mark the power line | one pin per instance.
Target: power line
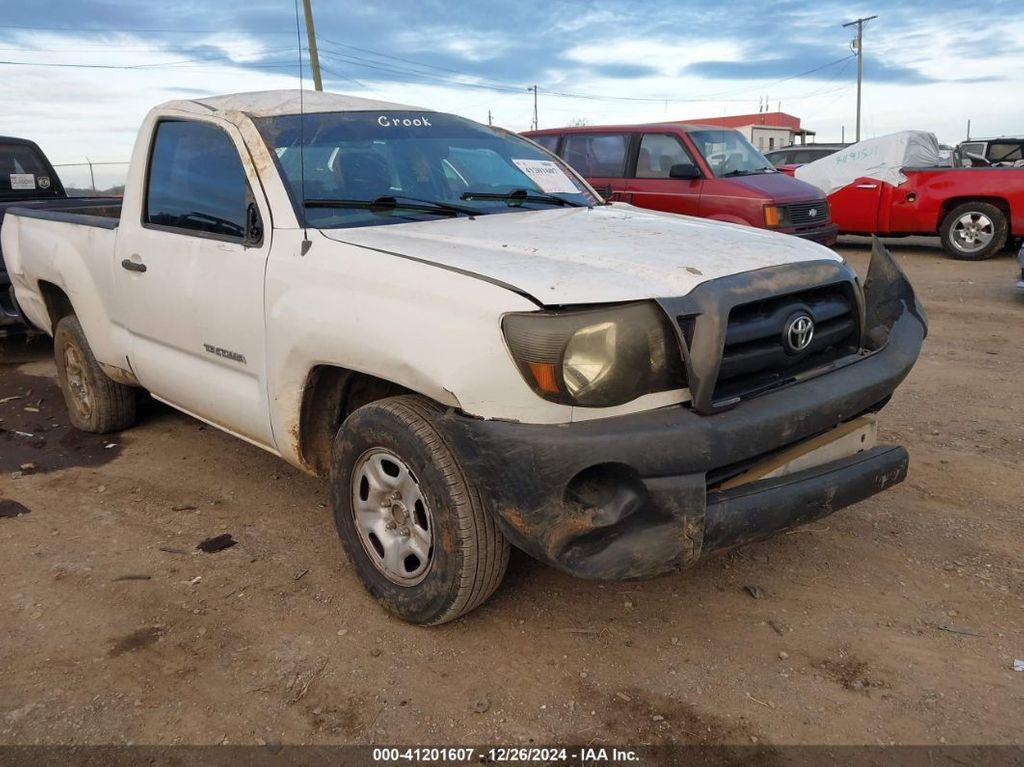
(138, 67)
(108, 30)
(404, 72)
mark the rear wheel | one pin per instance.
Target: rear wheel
(95, 402)
(411, 522)
(974, 231)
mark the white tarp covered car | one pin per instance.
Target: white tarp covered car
(881, 158)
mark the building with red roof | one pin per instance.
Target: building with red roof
(765, 130)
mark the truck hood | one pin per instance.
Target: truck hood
(587, 255)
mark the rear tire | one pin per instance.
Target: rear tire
(411, 522)
(95, 402)
(974, 231)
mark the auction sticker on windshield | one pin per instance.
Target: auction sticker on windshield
(23, 181)
(548, 176)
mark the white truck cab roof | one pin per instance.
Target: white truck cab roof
(282, 102)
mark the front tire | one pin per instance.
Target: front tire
(96, 403)
(974, 231)
(410, 521)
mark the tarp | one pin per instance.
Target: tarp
(879, 158)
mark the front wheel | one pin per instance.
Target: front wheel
(974, 231)
(411, 522)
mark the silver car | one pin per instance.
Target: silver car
(1020, 262)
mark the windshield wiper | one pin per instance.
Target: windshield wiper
(390, 202)
(520, 195)
(748, 172)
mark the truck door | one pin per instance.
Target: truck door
(653, 187)
(191, 268)
(601, 159)
(855, 207)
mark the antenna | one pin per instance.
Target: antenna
(302, 139)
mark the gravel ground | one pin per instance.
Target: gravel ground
(895, 621)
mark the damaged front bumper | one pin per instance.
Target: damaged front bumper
(642, 494)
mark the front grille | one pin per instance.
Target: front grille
(756, 355)
(814, 213)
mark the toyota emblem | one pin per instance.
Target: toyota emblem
(798, 333)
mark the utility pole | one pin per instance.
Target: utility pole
(536, 125)
(314, 57)
(859, 43)
(489, 117)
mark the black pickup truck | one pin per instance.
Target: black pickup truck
(28, 180)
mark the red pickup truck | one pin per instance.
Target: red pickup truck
(898, 184)
(974, 211)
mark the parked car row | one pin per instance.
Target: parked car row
(716, 173)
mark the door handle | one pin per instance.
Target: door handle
(867, 186)
(133, 266)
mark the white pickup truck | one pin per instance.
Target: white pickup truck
(449, 322)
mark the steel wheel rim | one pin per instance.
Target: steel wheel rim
(972, 232)
(77, 382)
(392, 519)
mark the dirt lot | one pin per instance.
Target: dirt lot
(897, 620)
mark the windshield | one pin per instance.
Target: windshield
(729, 154)
(415, 166)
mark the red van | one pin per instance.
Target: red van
(696, 170)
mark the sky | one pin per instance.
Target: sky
(78, 76)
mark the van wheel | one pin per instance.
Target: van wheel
(411, 522)
(95, 402)
(973, 231)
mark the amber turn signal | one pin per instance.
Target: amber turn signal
(544, 374)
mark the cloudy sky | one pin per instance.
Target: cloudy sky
(79, 75)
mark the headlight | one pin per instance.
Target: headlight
(596, 357)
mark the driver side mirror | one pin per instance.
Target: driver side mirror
(684, 171)
(253, 226)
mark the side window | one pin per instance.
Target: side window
(549, 142)
(196, 180)
(1004, 152)
(597, 154)
(658, 153)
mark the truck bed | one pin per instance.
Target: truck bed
(91, 211)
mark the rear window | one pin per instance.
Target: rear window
(23, 173)
(1005, 151)
(548, 142)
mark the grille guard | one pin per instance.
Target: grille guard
(701, 317)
